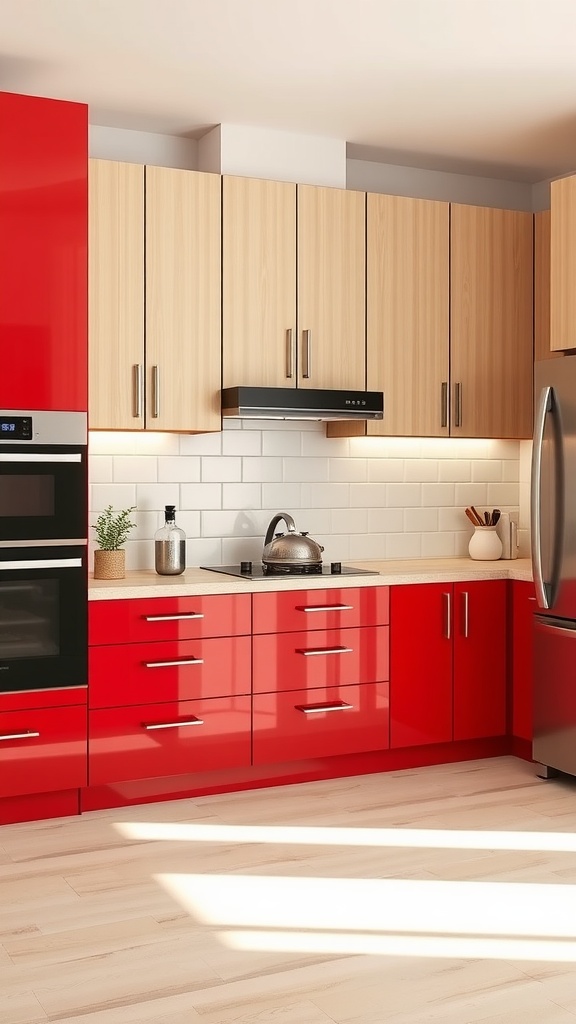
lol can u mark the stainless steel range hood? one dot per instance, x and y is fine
(302, 404)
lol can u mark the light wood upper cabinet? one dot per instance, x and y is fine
(408, 313)
(258, 282)
(331, 288)
(542, 348)
(563, 264)
(491, 322)
(182, 300)
(116, 294)
(154, 308)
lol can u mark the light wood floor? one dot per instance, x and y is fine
(443, 894)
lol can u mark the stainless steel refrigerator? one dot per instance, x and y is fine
(553, 513)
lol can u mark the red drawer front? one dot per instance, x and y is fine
(320, 609)
(177, 670)
(23, 699)
(324, 657)
(168, 618)
(297, 724)
(124, 746)
(42, 750)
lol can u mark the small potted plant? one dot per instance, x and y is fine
(112, 529)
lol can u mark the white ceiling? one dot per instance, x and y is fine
(480, 86)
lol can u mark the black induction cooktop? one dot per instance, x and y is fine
(257, 571)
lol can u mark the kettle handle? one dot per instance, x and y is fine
(274, 523)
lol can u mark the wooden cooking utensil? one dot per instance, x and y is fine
(479, 520)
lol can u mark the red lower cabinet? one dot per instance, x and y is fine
(321, 657)
(42, 750)
(523, 608)
(150, 741)
(448, 665)
(297, 724)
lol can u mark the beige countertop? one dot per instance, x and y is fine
(195, 582)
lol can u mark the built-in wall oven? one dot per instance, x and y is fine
(43, 550)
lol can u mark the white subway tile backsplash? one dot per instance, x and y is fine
(200, 496)
(275, 442)
(242, 442)
(179, 468)
(224, 468)
(242, 496)
(135, 469)
(361, 498)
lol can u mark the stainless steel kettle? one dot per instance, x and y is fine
(292, 548)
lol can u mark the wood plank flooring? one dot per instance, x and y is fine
(443, 894)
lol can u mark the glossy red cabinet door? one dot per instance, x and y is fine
(42, 750)
(420, 664)
(523, 608)
(331, 720)
(43, 253)
(291, 610)
(150, 741)
(169, 671)
(323, 657)
(480, 659)
(168, 618)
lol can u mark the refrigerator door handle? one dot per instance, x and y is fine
(544, 408)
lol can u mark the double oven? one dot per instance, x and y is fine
(43, 550)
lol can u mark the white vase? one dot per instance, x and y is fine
(485, 543)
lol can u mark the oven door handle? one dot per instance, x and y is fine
(41, 457)
(42, 563)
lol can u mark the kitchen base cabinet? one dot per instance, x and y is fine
(448, 662)
(523, 608)
(323, 722)
(42, 749)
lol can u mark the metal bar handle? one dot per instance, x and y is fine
(328, 608)
(172, 618)
(42, 563)
(556, 629)
(316, 709)
(466, 612)
(444, 404)
(447, 615)
(544, 407)
(172, 725)
(307, 338)
(289, 352)
(326, 650)
(41, 457)
(137, 382)
(155, 392)
(181, 661)
(458, 405)
(28, 735)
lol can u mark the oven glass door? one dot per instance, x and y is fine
(43, 493)
(43, 618)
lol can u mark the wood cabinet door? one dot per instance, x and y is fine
(43, 257)
(183, 295)
(491, 322)
(408, 313)
(116, 295)
(480, 668)
(258, 282)
(542, 349)
(562, 263)
(420, 664)
(331, 288)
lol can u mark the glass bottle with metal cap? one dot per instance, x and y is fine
(170, 546)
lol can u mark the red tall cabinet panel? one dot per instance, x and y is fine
(523, 608)
(43, 253)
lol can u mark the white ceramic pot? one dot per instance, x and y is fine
(485, 544)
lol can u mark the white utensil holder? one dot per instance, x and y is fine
(485, 544)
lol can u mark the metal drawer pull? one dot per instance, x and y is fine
(327, 650)
(138, 385)
(289, 353)
(43, 563)
(182, 661)
(29, 457)
(329, 608)
(444, 404)
(307, 339)
(155, 392)
(316, 709)
(173, 725)
(19, 736)
(466, 615)
(447, 616)
(172, 618)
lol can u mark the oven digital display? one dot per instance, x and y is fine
(16, 428)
